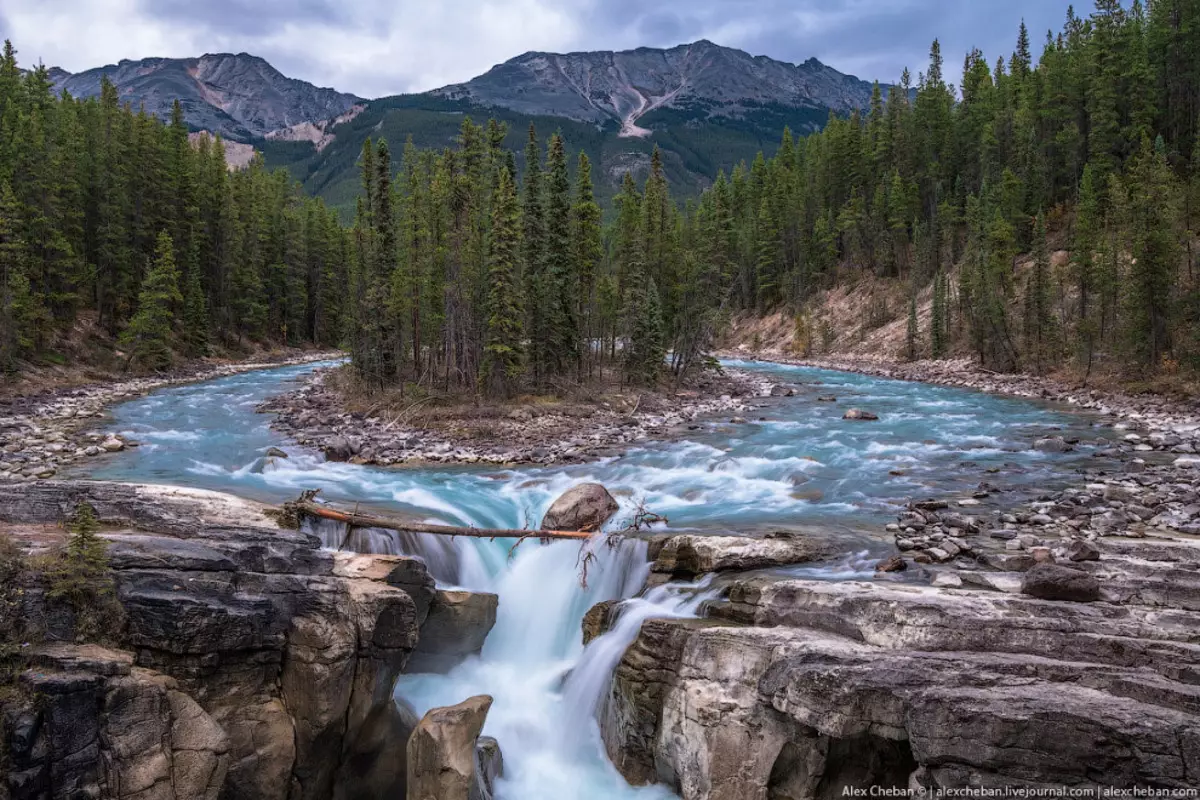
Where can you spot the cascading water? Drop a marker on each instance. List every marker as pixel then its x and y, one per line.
pixel 801 465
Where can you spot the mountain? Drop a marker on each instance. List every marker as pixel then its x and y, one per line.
pixel 241 97
pixel 706 81
pixel 706 108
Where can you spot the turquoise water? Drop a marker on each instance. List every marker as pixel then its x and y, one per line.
pixel 800 466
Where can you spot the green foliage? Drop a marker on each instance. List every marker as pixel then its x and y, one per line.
pixel 148 335
pixel 503 359
pixel 12 621
pixel 646 348
pixel 82 579
pixel 87 186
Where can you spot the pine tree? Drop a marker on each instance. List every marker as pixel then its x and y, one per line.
pixel 83 579
pixel 16 314
pixel 1040 329
pixel 939 326
pixel 195 316
pixel 646 347
pixel 587 249
pixel 503 350
pixel 1154 218
pixel 149 333
pixel 558 348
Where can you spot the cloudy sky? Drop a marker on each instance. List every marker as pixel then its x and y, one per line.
pixel 380 47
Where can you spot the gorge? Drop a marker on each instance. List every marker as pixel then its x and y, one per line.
pixel 757 653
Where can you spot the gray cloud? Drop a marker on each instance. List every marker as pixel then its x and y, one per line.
pixel 379 47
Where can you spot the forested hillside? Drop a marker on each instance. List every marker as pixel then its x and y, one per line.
pixel 109 214
pixel 472 267
pixel 1096 144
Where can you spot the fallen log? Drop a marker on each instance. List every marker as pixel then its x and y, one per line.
pixel 305 505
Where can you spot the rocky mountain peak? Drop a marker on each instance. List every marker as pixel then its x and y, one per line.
pixel 240 96
pixel 702 79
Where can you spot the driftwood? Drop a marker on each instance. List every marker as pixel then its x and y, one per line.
pixel 305 506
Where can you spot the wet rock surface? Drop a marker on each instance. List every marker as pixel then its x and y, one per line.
pixel 457 625
pixel 1035 643
pixel 264 655
pixel 551 433
pixel 585 507
pixel 442 752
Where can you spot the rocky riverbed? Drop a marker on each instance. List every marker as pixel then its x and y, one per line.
pixel 532 433
pixel 42 433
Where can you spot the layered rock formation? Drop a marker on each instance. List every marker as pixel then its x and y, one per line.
pixel 254 665
pixel 799 688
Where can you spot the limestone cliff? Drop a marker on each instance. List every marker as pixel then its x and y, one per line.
pixel 249 667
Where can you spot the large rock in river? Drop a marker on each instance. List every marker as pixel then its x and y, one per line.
pixel 585 507
pixel 457 625
pixel 685 556
pixel 441 751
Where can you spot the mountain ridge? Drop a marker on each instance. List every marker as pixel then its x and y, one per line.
pixel 241 96
pixel 711 80
pixel 705 106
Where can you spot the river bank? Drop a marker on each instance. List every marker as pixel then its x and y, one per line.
pixel 535 431
pixel 47 430
pixel 1149 485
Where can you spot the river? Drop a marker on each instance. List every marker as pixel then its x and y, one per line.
pixel 801 466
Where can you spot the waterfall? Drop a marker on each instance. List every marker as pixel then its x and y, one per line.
pixel 546 685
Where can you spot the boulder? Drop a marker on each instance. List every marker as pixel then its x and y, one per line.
pixel 275 452
pixel 442 751
pixel 892 564
pixel 585 507
pixel 457 625
pixel 1051 444
pixel 112 445
pixel 338 448
pixel 859 414
pixel 1054 582
pixel 688 555
pixel 1082 550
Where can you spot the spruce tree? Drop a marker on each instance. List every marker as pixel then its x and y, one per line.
pixel 83 579
pixel 195 316
pixel 148 337
pixel 503 358
pixel 16 317
pixel 587 249
pixel 1040 329
pixel 646 347
pixel 558 348
pixel 938 326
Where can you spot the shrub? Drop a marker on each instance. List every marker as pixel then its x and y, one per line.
pixel 81 577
